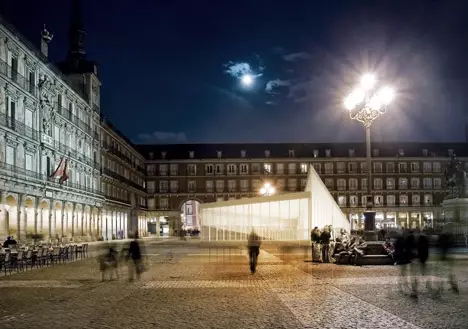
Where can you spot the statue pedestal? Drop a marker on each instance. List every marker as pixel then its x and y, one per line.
pixel 456 212
pixel 370 233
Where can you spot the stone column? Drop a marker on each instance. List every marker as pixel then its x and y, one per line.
pixel 3 217
pixel 21 218
pixel 52 220
pixel 82 228
pixel 36 216
pixel 158 227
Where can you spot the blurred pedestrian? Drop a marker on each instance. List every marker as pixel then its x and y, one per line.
pixel 445 244
pixel 109 263
pixel 325 242
pixel 315 238
pixel 135 265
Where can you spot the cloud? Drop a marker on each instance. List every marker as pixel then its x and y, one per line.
pixel 162 137
pixel 270 103
pixel 275 84
pixel 238 69
pixel 292 57
pixel 233 97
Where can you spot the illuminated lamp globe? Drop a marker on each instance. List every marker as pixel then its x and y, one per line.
pixel 386 95
pixel 368 81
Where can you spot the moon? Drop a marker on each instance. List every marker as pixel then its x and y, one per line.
pixel 247 80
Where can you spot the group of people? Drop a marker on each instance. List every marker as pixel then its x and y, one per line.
pixel 131 254
pixel 321 244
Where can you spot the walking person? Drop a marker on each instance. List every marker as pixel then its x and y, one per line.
pixel 325 242
pixel 315 237
pixel 135 264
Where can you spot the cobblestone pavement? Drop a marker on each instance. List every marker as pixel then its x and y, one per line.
pixel 190 287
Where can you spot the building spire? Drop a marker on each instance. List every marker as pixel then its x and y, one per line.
pixel 76 35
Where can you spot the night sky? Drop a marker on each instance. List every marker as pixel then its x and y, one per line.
pixel 169 68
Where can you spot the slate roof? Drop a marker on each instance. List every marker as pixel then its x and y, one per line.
pixel 301 150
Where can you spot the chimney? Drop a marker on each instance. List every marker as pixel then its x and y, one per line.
pixel 46 37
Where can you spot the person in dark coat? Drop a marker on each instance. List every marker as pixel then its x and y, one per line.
pixel 315 238
pixel 135 264
pixel 325 242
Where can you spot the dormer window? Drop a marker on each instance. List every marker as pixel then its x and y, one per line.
pixel 401 152
pixel 351 152
pixel 375 152
pixel 291 153
pixel 219 154
pixel 450 152
pixel 243 153
pixel 316 154
pixel 267 153
pixel 163 155
pixel 425 152
pixel 151 155
pixel 328 153
pixel 191 154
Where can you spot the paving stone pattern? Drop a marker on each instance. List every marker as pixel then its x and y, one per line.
pixel 185 288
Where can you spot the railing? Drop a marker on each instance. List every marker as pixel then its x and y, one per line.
pixel 18 127
pixel 112 198
pixel 67 114
pixel 17 172
pixel 17 78
pixel 121 178
pixel 80 187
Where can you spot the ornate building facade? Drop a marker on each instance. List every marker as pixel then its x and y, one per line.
pixel 408 185
pixel 50 145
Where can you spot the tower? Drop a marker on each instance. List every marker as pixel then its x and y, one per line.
pixel 81 71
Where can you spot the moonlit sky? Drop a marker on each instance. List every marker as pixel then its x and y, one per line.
pixel 171 69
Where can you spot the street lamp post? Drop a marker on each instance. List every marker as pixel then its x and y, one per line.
pixel 267 189
pixel 365 104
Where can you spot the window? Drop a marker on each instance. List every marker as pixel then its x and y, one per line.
pixel 243 153
pixel 29 162
pixel 402 167
pixel 363 183
pixel 427 167
pixel 292 184
pixel 316 153
pixel 174 169
pixel 353 200
pixel 317 167
pixel 219 186
pixel 391 200
pixel 219 169
pixel 163 203
pixel 390 183
pixel 151 186
pixel 378 200
pixel 375 152
pixel 352 168
pixel 353 183
pixel 427 182
pixel 437 183
pixel 163 186
pixel 303 183
pixel 231 169
pixel 342 201
pixel 244 185
pixel 219 154
pixel 363 167
pixel 414 167
pixel 192 169
pixel 401 152
pixel 436 166
pixel 256 168
pixel 209 185
pixel 267 153
pixel 291 168
pixel 425 152
pixel 403 199
pixel 232 185
pixel 291 153
pixel 280 168
pixel 403 183
pixel 191 154
pixel 191 186
pixel 428 199
pixel 340 167
pixel 364 200
pixel 328 168
pixel 280 184
pixel 304 168
pixel 150 169
pixel 174 186
pixel 329 183
pixel 351 152
pixel 450 152
pixel 390 167
pixel 163 169
pixel 10 155
pixel 378 167
pixel 415 199
pixel 341 183
pixel 28 121
pixel 163 155
pixel 328 153
pixel 209 169
pixel 244 168
pixel 415 183
pixel 378 183
pixel 267 168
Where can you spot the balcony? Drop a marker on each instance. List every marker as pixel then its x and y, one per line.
pixel 67 114
pixel 20 173
pixel 18 127
pixel 117 199
pixel 123 179
pixel 14 76
pixel 82 188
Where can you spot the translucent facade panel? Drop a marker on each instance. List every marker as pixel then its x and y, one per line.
pixel 279 217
